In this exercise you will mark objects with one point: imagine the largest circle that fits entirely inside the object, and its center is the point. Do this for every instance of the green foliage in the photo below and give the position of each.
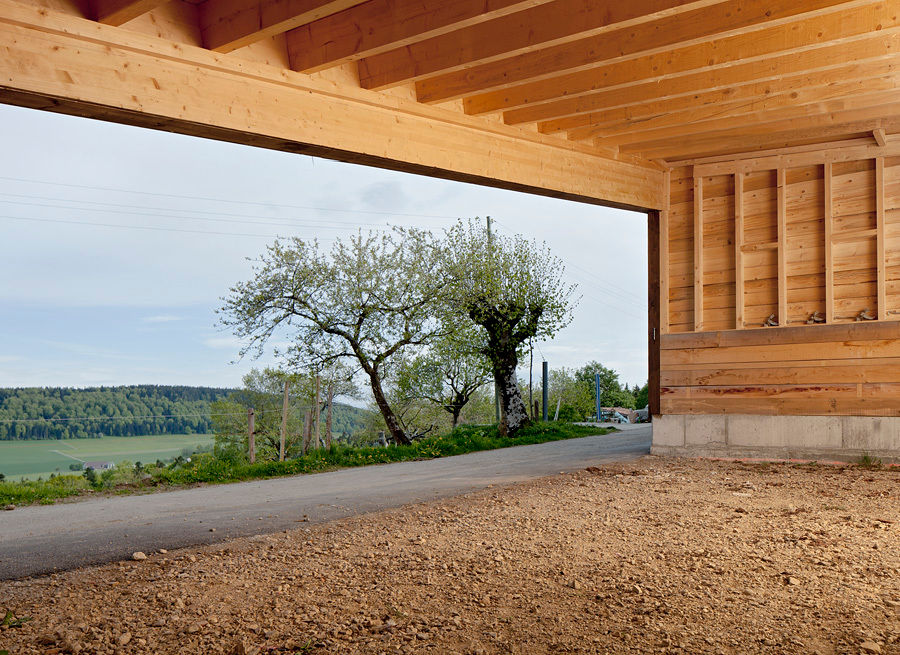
(867, 461)
(172, 410)
(10, 621)
(30, 491)
(91, 476)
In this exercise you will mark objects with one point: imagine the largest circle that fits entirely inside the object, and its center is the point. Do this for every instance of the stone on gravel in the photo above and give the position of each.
(138, 556)
(870, 647)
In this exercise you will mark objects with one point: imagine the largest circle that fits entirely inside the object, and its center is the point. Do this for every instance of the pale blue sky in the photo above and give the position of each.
(90, 296)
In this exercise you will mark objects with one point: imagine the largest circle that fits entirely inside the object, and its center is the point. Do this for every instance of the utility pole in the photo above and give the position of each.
(545, 390)
(490, 237)
(251, 438)
(284, 413)
(597, 394)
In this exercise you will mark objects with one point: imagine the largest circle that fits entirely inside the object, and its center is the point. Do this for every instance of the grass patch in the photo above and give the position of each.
(208, 468)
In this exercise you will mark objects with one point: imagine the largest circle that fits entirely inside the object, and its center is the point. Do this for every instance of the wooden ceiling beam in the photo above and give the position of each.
(732, 18)
(132, 78)
(381, 25)
(553, 24)
(830, 60)
(841, 27)
(119, 12)
(227, 25)
(810, 113)
(781, 134)
(814, 97)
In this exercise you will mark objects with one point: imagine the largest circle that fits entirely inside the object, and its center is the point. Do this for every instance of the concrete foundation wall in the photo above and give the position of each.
(841, 438)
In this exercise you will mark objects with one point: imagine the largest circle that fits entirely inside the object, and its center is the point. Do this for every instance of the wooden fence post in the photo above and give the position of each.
(251, 420)
(284, 413)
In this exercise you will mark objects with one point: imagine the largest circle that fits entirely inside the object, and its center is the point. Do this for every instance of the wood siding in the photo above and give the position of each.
(787, 237)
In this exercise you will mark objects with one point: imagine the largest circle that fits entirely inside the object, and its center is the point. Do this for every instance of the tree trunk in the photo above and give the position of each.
(393, 425)
(328, 416)
(513, 412)
(307, 429)
(455, 412)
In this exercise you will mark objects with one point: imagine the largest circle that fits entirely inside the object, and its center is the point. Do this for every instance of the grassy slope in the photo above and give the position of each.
(42, 457)
(206, 468)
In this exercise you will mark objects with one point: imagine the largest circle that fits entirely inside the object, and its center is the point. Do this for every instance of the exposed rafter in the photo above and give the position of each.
(119, 12)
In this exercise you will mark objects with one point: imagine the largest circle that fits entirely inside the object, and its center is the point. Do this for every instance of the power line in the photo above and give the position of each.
(224, 200)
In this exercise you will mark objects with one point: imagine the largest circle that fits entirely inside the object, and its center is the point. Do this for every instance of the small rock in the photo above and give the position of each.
(138, 556)
(212, 529)
(163, 551)
(870, 647)
(193, 628)
(9, 507)
(792, 581)
(124, 638)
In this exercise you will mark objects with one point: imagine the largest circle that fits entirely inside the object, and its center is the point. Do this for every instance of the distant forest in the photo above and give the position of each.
(127, 411)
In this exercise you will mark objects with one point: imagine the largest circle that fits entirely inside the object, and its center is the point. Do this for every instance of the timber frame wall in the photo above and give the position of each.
(785, 236)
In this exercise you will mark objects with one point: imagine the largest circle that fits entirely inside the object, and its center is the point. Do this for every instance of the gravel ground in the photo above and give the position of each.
(657, 555)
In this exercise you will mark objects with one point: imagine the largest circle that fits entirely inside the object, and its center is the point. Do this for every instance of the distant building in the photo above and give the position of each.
(98, 466)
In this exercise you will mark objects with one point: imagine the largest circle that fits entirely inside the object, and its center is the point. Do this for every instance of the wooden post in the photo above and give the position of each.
(318, 402)
(251, 438)
(664, 258)
(739, 250)
(284, 413)
(328, 415)
(782, 246)
(698, 253)
(829, 245)
(653, 318)
(880, 263)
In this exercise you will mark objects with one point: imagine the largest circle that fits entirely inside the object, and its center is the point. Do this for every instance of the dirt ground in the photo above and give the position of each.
(654, 556)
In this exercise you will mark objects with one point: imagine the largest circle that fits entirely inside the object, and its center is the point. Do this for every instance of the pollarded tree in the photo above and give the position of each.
(367, 299)
(512, 288)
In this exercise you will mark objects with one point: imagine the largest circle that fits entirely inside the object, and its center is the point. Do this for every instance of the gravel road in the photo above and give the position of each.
(42, 539)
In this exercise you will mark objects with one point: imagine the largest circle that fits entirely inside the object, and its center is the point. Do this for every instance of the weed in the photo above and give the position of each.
(11, 621)
(867, 461)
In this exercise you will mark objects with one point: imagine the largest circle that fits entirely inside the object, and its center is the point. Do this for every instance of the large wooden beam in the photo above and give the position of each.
(119, 12)
(230, 24)
(737, 18)
(556, 24)
(71, 65)
(381, 25)
(840, 27)
(829, 63)
(698, 254)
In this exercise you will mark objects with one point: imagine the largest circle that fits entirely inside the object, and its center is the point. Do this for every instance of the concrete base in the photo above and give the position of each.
(837, 438)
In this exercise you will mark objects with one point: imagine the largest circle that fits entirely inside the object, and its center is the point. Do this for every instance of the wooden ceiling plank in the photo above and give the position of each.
(557, 23)
(381, 25)
(801, 102)
(119, 12)
(732, 18)
(850, 109)
(227, 25)
(819, 84)
(843, 27)
(782, 134)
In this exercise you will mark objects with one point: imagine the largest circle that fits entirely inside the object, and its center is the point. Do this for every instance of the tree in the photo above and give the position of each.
(448, 374)
(367, 300)
(611, 392)
(513, 290)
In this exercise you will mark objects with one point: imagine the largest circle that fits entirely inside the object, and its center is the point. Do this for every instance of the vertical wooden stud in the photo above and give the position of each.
(654, 289)
(782, 248)
(738, 250)
(879, 213)
(664, 259)
(829, 250)
(698, 254)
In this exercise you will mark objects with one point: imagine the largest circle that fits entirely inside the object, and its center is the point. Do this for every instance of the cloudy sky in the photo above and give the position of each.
(118, 243)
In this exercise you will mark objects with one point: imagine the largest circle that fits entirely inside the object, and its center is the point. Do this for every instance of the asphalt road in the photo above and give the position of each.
(42, 539)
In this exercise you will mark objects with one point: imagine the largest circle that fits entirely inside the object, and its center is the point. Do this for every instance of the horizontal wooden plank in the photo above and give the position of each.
(875, 331)
(782, 406)
(767, 373)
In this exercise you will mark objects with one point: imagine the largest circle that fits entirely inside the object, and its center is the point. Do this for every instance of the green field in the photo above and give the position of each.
(42, 457)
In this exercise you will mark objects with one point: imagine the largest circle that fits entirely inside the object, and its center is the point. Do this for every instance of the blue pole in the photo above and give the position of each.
(597, 393)
(545, 390)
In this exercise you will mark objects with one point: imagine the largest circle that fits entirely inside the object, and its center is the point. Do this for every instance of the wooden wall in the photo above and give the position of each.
(782, 236)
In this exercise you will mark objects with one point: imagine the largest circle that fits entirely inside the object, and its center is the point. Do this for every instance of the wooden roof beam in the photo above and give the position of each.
(230, 24)
(841, 27)
(381, 25)
(799, 101)
(119, 12)
(880, 137)
(552, 24)
(871, 57)
(731, 18)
